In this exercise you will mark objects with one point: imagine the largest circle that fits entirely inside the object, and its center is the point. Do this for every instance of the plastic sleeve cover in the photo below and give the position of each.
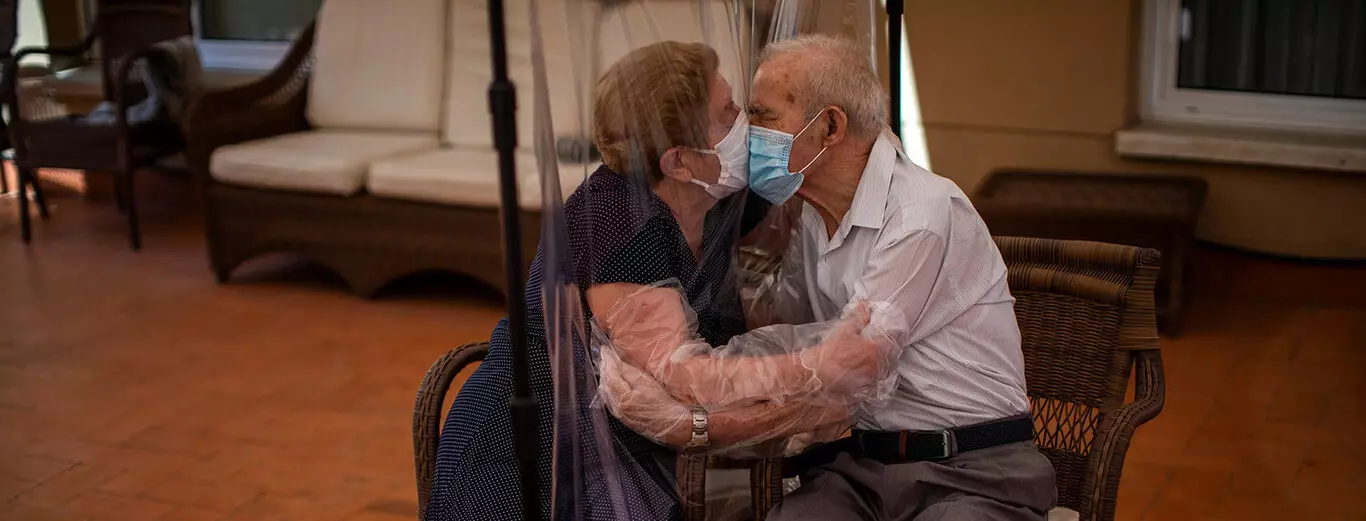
(773, 390)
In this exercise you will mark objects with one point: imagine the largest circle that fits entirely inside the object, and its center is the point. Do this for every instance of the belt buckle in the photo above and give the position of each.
(948, 444)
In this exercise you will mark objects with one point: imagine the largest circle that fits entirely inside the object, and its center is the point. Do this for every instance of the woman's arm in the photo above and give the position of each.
(651, 329)
(642, 404)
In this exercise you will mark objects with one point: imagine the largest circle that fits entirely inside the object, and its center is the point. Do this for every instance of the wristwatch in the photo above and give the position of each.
(700, 438)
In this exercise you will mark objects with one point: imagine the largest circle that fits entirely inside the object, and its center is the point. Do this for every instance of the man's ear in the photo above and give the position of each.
(836, 123)
(671, 163)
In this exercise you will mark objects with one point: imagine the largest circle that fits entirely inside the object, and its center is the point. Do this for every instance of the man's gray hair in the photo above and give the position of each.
(838, 72)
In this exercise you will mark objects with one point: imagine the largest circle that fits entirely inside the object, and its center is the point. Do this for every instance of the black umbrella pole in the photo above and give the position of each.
(503, 105)
(895, 10)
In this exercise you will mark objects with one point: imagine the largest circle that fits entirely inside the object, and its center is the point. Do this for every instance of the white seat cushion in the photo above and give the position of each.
(326, 161)
(466, 177)
(379, 65)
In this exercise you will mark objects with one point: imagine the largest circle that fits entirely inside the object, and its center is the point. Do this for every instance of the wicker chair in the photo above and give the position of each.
(1087, 318)
(427, 422)
(427, 414)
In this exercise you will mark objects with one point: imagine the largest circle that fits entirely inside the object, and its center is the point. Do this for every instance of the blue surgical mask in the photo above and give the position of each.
(769, 152)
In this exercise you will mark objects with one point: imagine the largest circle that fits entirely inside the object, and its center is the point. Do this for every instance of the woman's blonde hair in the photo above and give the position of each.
(651, 100)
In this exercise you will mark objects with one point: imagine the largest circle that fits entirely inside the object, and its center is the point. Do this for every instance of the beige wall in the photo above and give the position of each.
(1045, 84)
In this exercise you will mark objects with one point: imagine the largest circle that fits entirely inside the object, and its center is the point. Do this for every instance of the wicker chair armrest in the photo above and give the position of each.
(269, 106)
(1150, 393)
(427, 414)
(1078, 256)
(296, 63)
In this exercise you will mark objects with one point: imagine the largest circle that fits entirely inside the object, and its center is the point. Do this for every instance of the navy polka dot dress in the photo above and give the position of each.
(618, 231)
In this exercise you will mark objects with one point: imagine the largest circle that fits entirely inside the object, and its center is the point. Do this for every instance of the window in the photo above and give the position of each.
(1273, 64)
(249, 34)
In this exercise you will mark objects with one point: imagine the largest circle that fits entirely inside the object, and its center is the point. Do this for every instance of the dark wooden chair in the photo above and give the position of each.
(124, 31)
(9, 34)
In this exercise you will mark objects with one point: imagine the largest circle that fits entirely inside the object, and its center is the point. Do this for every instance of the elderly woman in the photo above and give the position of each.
(665, 205)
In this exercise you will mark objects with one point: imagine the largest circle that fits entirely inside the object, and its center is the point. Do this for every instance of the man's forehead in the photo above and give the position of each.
(772, 87)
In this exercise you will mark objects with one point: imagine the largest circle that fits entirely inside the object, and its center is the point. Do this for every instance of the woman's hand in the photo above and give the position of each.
(645, 406)
(848, 361)
(642, 404)
(801, 442)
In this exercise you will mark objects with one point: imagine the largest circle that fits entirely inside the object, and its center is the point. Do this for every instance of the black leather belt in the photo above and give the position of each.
(893, 447)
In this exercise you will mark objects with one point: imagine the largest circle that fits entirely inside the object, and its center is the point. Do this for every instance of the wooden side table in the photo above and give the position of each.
(1151, 211)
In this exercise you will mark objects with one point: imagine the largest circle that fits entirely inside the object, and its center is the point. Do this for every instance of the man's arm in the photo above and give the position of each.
(902, 270)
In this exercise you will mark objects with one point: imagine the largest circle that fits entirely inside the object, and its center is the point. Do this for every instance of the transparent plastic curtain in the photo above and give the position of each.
(644, 218)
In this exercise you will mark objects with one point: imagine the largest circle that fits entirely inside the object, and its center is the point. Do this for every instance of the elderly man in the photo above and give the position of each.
(955, 441)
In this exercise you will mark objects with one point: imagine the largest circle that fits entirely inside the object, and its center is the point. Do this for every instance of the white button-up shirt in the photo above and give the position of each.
(914, 240)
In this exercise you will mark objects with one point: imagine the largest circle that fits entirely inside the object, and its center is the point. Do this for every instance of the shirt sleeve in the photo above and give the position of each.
(901, 272)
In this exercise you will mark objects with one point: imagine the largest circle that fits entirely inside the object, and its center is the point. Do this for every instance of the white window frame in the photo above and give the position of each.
(1163, 101)
(249, 55)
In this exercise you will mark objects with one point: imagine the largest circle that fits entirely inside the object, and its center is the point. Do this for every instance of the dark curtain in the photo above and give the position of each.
(1305, 47)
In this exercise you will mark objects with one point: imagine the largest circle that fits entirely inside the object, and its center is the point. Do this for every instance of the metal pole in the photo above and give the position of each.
(895, 10)
(503, 105)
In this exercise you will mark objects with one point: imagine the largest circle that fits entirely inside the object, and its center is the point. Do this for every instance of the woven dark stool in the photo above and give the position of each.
(1150, 211)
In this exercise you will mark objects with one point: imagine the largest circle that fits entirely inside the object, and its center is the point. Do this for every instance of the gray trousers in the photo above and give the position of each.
(1006, 482)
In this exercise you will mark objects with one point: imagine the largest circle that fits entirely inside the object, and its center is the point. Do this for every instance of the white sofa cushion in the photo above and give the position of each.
(467, 120)
(679, 22)
(467, 177)
(567, 57)
(325, 161)
(378, 65)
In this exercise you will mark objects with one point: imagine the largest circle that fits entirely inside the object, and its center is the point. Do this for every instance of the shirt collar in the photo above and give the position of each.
(870, 197)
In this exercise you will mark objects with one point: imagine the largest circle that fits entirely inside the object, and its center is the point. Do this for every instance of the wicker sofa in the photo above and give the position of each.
(369, 148)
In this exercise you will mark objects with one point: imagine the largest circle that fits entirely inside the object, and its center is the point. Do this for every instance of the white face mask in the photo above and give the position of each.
(733, 153)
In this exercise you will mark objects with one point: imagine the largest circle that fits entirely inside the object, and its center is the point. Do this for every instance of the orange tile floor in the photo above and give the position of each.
(132, 386)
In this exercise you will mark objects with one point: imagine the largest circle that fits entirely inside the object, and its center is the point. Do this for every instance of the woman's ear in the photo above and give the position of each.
(836, 123)
(671, 163)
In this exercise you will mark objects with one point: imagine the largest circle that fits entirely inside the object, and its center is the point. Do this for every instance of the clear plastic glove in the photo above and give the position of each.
(759, 430)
